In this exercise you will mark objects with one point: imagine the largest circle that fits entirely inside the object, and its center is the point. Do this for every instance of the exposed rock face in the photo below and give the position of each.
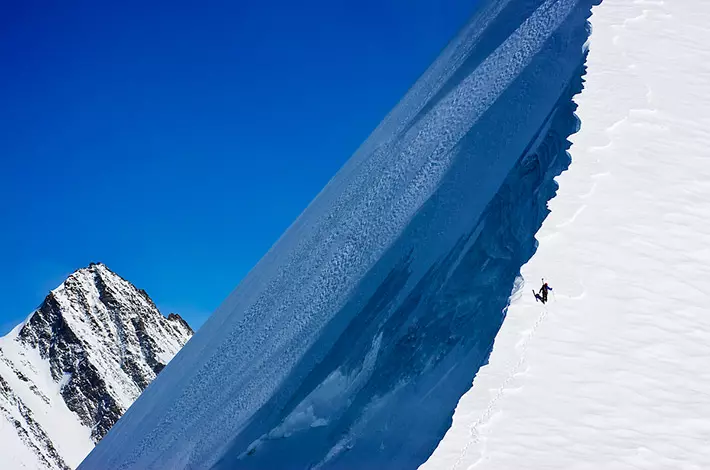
(70, 371)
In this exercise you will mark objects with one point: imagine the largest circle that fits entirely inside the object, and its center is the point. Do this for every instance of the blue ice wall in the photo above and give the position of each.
(350, 343)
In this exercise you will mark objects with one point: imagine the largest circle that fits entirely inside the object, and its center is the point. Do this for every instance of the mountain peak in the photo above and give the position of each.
(105, 281)
(174, 317)
(95, 343)
(93, 269)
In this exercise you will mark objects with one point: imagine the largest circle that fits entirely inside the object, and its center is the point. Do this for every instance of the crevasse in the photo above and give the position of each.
(350, 343)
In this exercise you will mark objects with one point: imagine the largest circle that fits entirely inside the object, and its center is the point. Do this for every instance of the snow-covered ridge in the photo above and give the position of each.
(613, 372)
(350, 343)
(76, 364)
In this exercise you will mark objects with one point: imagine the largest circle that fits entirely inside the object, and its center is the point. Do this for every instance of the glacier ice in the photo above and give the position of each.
(349, 344)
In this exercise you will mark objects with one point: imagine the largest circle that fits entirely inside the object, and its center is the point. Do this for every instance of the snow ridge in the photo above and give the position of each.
(387, 292)
(616, 375)
(76, 364)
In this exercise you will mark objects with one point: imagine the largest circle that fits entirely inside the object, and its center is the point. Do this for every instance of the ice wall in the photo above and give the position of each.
(350, 343)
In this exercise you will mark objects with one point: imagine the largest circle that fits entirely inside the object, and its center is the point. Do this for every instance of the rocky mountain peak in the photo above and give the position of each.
(100, 341)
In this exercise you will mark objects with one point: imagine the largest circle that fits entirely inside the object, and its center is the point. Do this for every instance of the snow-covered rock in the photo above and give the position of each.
(70, 371)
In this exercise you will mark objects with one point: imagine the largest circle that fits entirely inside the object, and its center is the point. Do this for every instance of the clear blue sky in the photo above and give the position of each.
(175, 142)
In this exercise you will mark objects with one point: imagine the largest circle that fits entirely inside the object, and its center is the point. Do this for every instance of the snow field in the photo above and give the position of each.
(613, 373)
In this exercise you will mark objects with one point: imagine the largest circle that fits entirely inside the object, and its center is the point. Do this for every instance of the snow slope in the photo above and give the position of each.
(350, 343)
(72, 368)
(613, 374)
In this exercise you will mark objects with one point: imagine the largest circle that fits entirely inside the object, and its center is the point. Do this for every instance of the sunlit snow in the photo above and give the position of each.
(613, 374)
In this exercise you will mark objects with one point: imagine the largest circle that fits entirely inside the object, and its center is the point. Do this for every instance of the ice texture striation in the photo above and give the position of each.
(350, 343)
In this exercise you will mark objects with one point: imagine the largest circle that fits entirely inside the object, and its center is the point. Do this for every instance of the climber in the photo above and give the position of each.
(542, 294)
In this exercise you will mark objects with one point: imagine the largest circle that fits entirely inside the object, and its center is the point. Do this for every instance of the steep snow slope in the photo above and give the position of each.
(351, 341)
(76, 364)
(613, 374)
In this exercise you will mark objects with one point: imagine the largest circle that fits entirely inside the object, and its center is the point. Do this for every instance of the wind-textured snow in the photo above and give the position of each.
(72, 368)
(613, 374)
(350, 343)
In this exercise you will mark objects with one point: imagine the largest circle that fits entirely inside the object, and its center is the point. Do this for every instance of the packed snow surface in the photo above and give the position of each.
(350, 343)
(613, 373)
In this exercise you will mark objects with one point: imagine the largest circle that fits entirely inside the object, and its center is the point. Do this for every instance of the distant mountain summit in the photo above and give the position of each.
(76, 364)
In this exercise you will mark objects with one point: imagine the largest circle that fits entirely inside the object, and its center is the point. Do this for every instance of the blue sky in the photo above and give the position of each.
(176, 141)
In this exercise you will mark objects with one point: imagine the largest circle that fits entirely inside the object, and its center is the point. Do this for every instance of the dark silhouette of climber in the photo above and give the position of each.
(542, 294)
